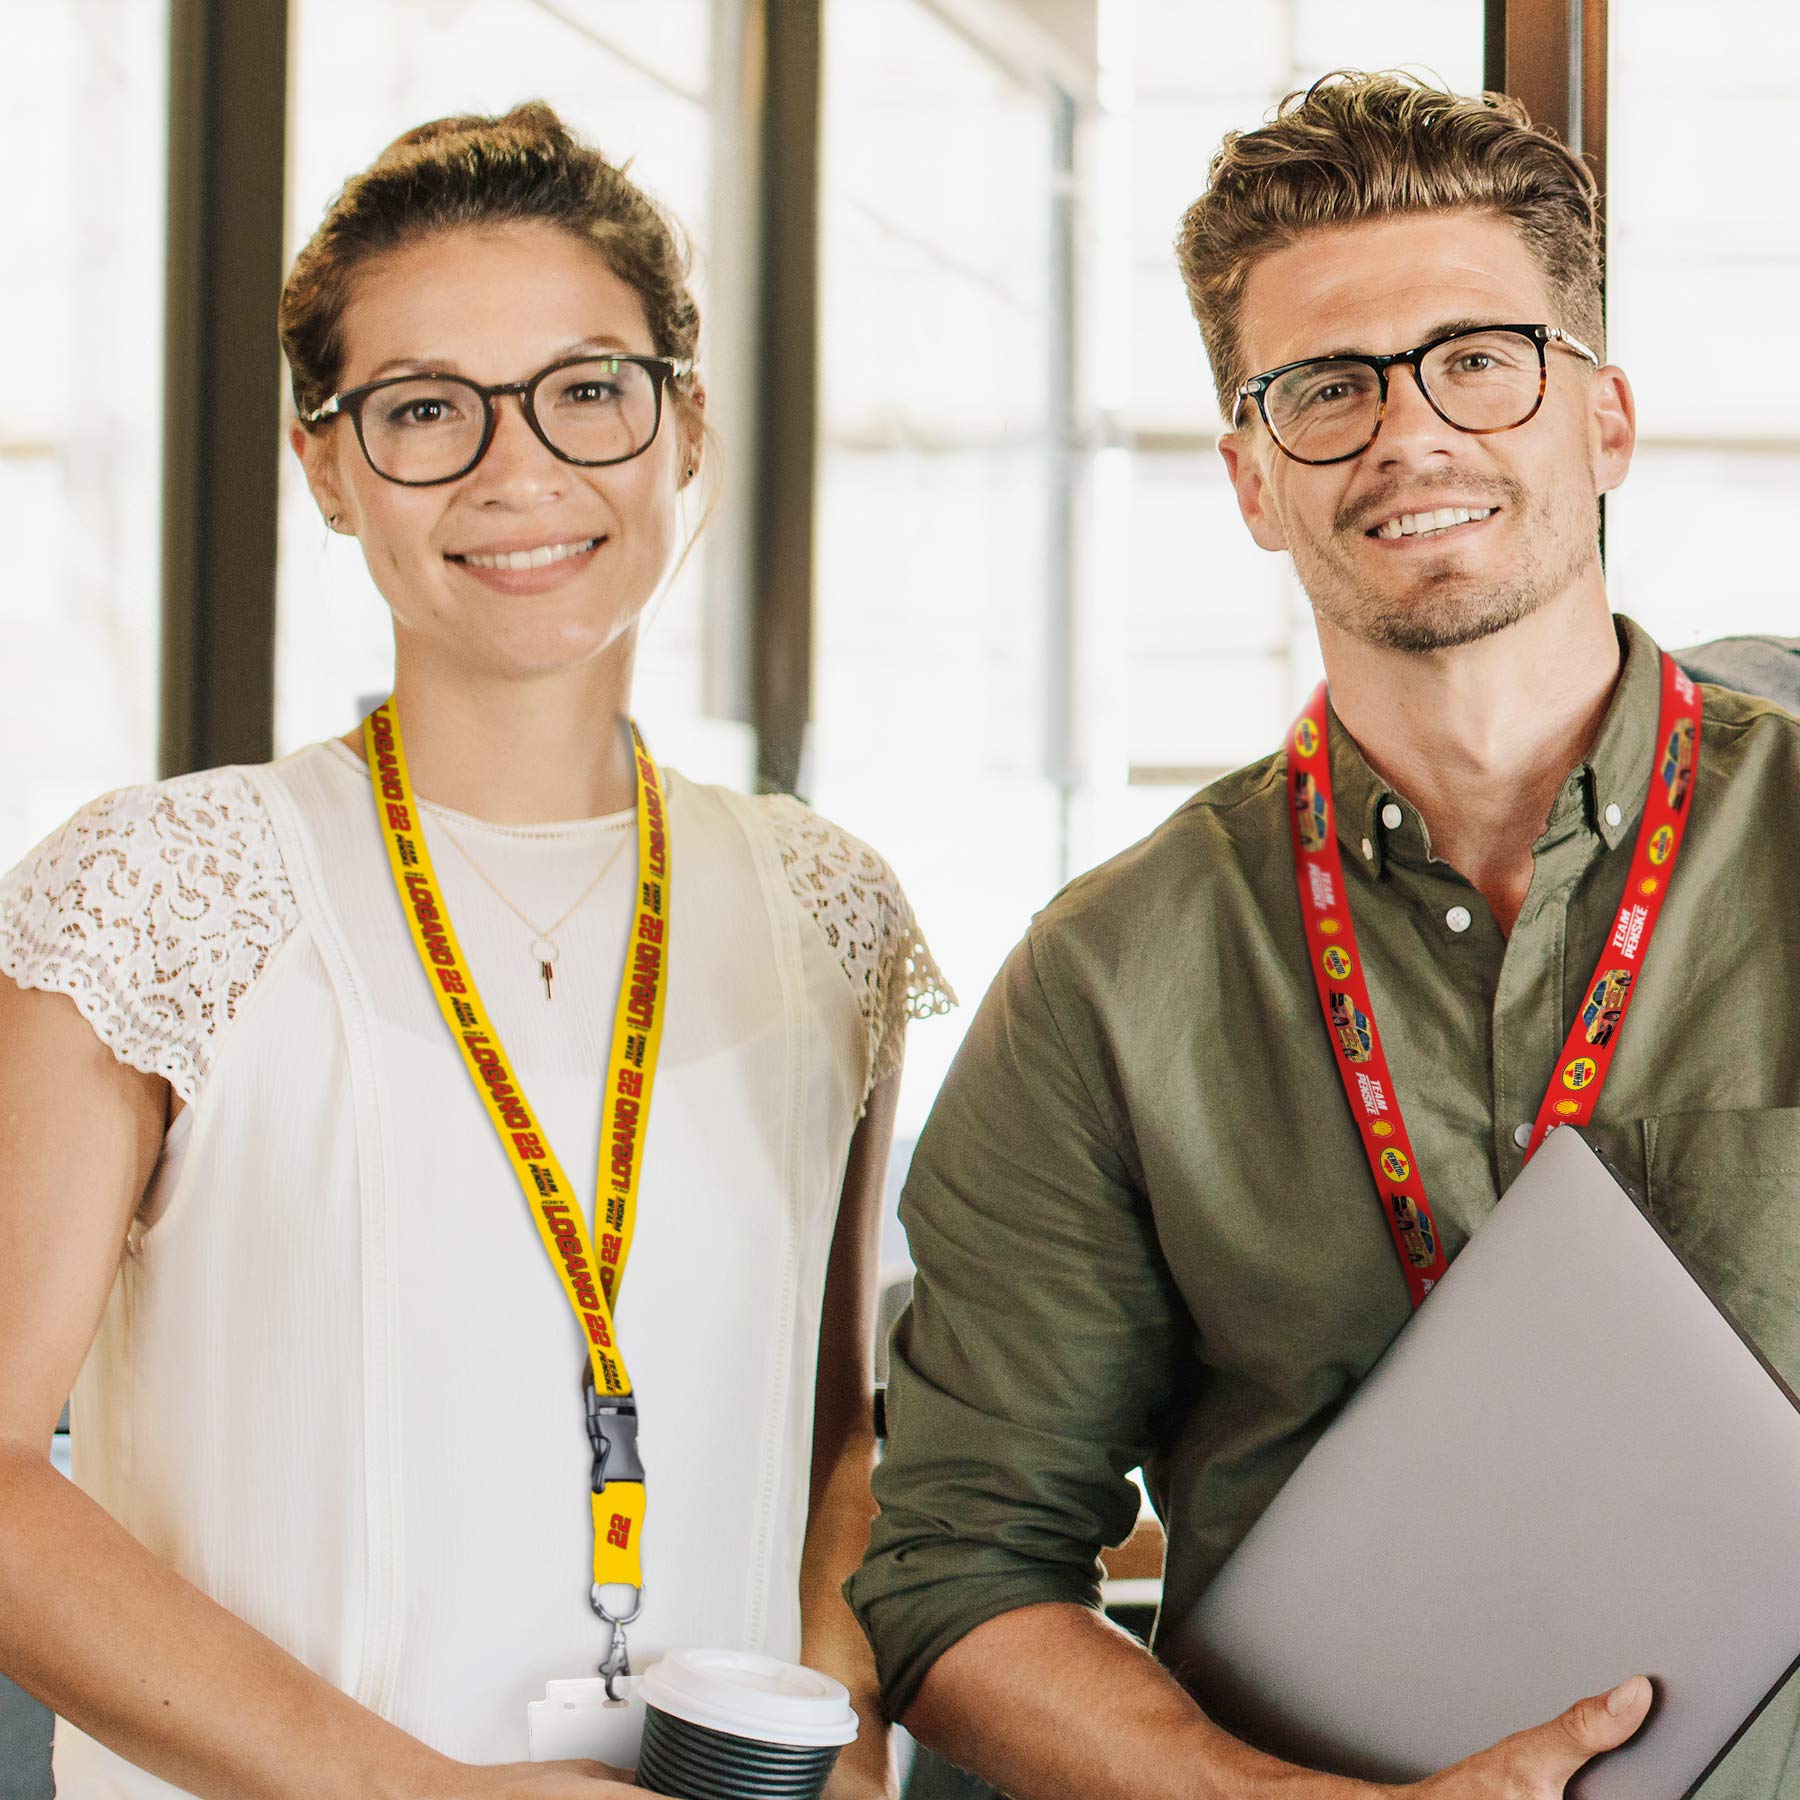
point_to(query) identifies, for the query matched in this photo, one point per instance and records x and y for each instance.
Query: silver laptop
(1567, 1469)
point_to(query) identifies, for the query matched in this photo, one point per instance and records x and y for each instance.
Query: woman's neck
(519, 751)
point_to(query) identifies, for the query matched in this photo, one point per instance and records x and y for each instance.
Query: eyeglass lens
(429, 428)
(1483, 381)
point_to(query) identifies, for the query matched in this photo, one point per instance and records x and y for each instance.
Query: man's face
(1386, 286)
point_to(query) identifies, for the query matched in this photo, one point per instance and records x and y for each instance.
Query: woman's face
(497, 305)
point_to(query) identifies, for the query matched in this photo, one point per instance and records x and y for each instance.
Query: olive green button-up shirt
(1145, 1230)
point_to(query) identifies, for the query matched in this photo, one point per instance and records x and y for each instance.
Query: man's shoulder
(1216, 858)
(1750, 672)
(1750, 717)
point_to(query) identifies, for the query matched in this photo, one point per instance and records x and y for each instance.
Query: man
(1145, 1227)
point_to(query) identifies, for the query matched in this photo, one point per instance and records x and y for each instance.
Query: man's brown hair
(1355, 147)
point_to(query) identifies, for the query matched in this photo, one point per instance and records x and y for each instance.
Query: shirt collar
(1376, 822)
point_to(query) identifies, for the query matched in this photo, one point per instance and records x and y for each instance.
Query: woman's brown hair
(1355, 147)
(526, 166)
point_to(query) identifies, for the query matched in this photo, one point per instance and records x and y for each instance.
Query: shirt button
(1458, 918)
(1613, 814)
(1368, 850)
(1522, 1136)
(1392, 817)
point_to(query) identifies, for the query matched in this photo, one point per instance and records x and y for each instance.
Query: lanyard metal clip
(617, 1664)
(612, 1428)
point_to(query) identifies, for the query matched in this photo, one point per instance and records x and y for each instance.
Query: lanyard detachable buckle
(612, 1428)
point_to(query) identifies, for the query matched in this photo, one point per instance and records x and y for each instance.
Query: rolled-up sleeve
(1027, 1377)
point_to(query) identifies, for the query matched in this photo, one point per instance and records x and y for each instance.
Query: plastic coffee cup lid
(751, 1697)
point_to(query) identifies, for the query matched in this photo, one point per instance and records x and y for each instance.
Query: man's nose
(1410, 425)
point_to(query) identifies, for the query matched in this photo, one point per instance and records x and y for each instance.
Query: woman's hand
(579, 1780)
(850, 1782)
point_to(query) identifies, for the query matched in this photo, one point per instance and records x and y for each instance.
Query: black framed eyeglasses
(1328, 409)
(420, 430)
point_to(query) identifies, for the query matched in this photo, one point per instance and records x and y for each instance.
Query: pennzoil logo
(1605, 1007)
(1351, 1024)
(1394, 1165)
(1337, 962)
(1578, 1073)
(1310, 812)
(1678, 763)
(1662, 841)
(1306, 738)
(1415, 1232)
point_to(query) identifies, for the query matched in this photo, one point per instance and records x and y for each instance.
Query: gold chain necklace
(545, 951)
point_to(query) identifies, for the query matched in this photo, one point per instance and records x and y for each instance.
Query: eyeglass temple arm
(1554, 334)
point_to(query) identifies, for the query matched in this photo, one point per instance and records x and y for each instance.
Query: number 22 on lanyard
(590, 1282)
(1337, 968)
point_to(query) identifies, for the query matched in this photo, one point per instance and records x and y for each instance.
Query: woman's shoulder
(155, 909)
(850, 892)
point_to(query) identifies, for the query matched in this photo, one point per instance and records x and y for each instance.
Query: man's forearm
(1052, 1703)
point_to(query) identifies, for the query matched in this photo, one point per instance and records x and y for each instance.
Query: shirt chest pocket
(1726, 1188)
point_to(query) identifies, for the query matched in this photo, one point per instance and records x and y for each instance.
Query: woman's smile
(528, 566)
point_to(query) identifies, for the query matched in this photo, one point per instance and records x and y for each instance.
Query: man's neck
(1481, 738)
(518, 751)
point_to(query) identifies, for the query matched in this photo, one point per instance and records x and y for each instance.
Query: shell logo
(1648, 885)
(1329, 927)
(1337, 962)
(1662, 841)
(1579, 1073)
(1568, 1108)
(1306, 738)
(1396, 1165)
(1382, 1128)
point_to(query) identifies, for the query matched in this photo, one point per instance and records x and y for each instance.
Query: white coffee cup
(728, 1725)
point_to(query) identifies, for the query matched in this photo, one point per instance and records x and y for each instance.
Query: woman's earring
(331, 522)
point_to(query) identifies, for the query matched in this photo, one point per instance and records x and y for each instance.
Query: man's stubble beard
(1443, 607)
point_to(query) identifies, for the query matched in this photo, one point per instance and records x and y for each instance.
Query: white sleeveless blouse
(337, 1386)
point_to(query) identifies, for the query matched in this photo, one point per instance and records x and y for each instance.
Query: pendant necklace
(545, 951)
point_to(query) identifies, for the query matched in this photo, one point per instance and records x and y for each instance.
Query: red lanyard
(1587, 1055)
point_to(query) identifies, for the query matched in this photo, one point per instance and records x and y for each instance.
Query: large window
(940, 551)
(1703, 288)
(81, 138)
(634, 79)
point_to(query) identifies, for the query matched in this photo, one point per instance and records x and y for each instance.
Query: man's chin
(1445, 617)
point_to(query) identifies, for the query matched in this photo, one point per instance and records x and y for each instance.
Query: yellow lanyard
(590, 1281)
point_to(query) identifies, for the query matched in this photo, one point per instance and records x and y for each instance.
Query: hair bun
(530, 119)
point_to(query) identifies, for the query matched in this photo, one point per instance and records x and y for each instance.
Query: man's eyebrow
(448, 365)
(1445, 328)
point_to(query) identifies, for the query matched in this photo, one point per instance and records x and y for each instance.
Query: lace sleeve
(855, 900)
(154, 909)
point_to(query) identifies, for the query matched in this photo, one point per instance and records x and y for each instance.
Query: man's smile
(1423, 527)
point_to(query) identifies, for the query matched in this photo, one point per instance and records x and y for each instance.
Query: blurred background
(976, 587)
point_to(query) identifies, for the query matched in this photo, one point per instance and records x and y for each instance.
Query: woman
(357, 1474)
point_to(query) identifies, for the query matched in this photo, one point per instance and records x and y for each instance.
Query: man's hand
(1534, 1765)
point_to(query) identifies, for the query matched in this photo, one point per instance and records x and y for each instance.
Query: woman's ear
(692, 414)
(315, 453)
